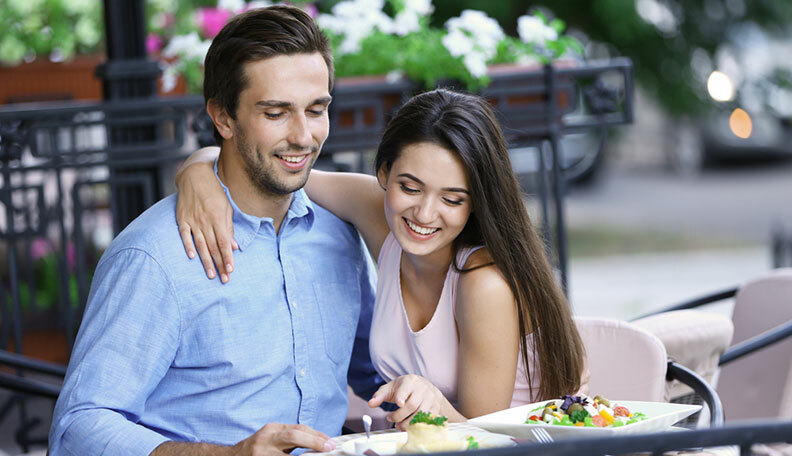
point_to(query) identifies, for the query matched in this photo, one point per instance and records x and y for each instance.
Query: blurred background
(688, 195)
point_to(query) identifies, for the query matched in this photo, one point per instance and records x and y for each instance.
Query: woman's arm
(486, 315)
(355, 198)
(204, 214)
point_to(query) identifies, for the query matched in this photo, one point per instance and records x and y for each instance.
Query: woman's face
(427, 200)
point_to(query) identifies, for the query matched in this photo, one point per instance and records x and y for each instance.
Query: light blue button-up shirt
(163, 353)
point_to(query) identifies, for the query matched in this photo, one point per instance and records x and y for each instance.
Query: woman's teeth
(292, 159)
(419, 229)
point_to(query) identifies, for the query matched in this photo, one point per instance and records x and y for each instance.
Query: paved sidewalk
(626, 286)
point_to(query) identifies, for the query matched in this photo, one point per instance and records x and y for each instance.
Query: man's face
(281, 120)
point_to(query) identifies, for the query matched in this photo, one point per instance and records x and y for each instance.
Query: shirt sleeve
(362, 376)
(126, 343)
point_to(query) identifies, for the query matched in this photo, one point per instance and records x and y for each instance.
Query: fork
(541, 435)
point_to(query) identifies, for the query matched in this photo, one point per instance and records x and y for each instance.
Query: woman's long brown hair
(467, 125)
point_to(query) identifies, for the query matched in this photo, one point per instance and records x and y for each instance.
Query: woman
(468, 317)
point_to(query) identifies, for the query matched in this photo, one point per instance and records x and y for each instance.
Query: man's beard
(264, 176)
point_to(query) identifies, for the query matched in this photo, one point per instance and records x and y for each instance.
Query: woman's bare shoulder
(483, 288)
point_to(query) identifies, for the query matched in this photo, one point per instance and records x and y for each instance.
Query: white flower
(458, 43)
(484, 31)
(355, 20)
(406, 22)
(419, 7)
(533, 30)
(169, 80)
(257, 4)
(74, 7)
(394, 76)
(476, 64)
(231, 5)
(187, 46)
(200, 51)
(86, 32)
(478, 23)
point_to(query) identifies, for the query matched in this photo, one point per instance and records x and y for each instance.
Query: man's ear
(382, 177)
(222, 121)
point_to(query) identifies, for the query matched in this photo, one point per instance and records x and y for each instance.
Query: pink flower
(39, 248)
(153, 43)
(311, 9)
(71, 257)
(212, 20)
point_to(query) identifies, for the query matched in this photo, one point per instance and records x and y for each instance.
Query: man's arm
(127, 341)
(273, 439)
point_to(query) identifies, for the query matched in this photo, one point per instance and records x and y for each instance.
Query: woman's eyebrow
(445, 189)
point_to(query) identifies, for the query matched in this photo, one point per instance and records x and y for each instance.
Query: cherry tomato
(621, 411)
(599, 421)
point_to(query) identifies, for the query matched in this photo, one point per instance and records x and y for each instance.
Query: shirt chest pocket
(339, 306)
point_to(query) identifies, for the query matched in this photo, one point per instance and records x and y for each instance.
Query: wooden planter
(42, 80)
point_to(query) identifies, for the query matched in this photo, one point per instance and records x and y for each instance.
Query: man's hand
(279, 439)
(274, 439)
(413, 393)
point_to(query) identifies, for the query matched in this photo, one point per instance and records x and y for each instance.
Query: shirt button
(302, 372)
(294, 304)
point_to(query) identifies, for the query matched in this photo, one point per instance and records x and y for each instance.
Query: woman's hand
(413, 393)
(205, 216)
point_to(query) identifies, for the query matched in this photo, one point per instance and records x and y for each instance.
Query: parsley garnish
(578, 415)
(472, 444)
(426, 417)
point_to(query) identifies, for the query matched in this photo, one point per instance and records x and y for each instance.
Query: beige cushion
(626, 362)
(692, 338)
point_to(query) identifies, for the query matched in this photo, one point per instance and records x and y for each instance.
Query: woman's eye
(453, 202)
(273, 115)
(408, 189)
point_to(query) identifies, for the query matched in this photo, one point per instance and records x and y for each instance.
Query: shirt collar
(246, 226)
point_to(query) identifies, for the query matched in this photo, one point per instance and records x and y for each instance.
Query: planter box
(42, 80)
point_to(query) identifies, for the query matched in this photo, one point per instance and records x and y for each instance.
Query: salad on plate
(584, 411)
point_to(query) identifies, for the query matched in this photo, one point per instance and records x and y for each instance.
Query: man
(167, 362)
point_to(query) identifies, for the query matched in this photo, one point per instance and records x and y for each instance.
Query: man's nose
(299, 133)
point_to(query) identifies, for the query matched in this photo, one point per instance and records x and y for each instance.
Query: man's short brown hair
(255, 35)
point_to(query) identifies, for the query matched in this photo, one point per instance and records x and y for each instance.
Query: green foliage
(57, 29)
(47, 286)
(662, 60)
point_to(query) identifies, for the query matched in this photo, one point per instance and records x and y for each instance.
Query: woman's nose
(425, 212)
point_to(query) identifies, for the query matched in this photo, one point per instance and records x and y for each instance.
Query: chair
(628, 362)
(625, 361)
(760, 385)
(753, 386)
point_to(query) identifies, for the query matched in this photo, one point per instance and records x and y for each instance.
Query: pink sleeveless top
(431, 352)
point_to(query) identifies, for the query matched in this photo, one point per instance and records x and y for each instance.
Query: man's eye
(273, 115)
(408, 189)
(316, 112)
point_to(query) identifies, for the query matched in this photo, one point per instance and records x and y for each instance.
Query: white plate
(659, 416)
(389, 443)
